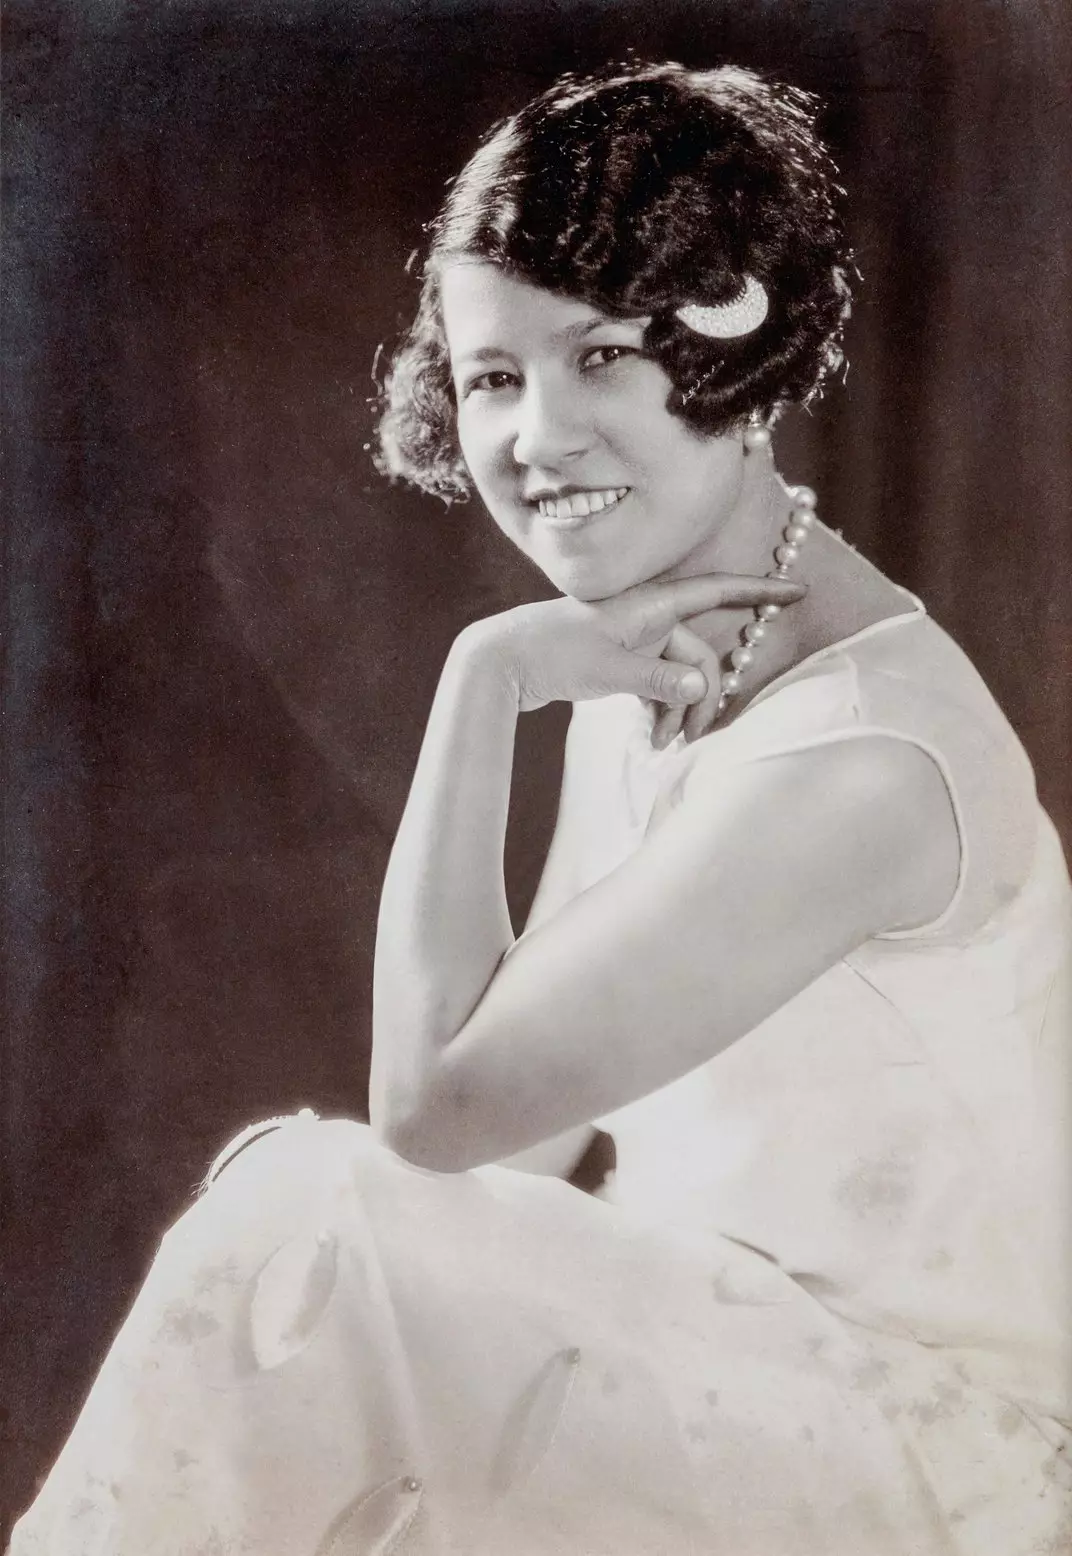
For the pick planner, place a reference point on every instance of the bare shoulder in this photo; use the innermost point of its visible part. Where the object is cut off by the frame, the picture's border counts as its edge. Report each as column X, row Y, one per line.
column 872, row 812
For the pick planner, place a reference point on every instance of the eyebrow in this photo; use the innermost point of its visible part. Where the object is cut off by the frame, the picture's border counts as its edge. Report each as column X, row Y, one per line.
column 484, row 354
column 571, row 332
column 586, row 326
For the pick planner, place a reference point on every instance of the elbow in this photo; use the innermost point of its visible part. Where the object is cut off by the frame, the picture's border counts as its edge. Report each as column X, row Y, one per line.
column 441, row 1122
column 425, row 1138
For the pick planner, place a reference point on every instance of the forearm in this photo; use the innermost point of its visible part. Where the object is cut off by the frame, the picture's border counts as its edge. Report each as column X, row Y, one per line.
column 553, row 1158
column 444, row 924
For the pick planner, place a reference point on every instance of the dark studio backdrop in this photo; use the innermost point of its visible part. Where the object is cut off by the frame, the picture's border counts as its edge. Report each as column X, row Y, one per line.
column 223, row 629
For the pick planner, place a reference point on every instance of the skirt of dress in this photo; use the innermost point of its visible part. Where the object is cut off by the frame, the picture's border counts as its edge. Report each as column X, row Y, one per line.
column 336, row 1353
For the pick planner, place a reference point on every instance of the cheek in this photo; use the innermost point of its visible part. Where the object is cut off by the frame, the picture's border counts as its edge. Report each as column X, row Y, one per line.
column 712, row 472
column 486, row 458
column 481, row 443
column 469, row 446
column 722, row 487
column 688, row 460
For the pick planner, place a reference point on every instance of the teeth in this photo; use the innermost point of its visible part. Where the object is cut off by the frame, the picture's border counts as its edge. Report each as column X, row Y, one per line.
column 581, row 504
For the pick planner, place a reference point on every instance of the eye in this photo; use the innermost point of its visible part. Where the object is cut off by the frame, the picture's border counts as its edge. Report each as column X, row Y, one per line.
column 605, row 356
column 489, row 383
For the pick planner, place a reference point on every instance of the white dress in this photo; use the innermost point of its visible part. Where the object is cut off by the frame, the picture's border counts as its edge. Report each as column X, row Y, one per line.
column 820, row 1310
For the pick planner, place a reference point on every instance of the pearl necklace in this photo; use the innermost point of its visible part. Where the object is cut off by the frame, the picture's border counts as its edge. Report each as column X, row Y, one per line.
column 786, row 552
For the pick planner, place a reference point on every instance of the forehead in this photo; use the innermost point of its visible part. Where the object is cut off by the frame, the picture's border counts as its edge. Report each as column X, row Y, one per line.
column 484, row 308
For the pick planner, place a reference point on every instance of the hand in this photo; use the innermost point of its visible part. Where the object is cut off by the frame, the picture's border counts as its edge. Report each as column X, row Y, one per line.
column 635, row 642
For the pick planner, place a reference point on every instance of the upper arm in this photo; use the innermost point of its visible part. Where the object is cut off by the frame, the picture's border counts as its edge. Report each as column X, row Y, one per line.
column 747, row 892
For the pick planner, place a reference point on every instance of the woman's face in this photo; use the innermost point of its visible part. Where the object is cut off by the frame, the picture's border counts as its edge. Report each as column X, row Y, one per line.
column 563, row 426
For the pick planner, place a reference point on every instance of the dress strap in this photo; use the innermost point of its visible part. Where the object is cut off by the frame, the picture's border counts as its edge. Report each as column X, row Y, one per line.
column 247, row 1136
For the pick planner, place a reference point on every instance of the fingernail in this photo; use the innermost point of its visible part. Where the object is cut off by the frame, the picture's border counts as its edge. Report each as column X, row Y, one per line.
column 692, row 686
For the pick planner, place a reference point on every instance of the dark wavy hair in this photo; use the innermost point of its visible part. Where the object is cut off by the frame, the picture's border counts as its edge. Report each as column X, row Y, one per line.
column 638, row 189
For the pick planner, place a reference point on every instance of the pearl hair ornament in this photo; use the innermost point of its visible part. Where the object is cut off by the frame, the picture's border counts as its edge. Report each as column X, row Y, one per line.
column 757, row 438
column 726, row 321
column 743, row 314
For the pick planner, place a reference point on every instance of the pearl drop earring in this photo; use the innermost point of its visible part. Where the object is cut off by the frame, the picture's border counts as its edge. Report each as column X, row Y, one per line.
column 756, row 435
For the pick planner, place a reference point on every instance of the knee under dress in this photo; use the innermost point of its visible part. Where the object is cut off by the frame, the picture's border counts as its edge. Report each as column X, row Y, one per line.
column 820, row 1309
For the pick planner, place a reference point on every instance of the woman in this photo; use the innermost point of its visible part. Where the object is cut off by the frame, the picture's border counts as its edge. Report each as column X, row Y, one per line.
column 801, row 946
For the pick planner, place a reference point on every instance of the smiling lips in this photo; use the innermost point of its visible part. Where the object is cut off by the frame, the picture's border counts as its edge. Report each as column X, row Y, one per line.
column 580, row 505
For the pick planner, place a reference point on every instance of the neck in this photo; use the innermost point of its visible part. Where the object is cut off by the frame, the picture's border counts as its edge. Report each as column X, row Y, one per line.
column 744, row 544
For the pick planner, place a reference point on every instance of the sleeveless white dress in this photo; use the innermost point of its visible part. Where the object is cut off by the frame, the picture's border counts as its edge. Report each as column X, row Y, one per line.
column 821, row 1308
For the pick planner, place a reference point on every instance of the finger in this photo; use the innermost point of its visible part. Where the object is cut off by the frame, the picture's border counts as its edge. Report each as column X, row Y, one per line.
column 667, row 725
column 687, row 647
column 657, row 711
column 660, row 680
column 666, row 604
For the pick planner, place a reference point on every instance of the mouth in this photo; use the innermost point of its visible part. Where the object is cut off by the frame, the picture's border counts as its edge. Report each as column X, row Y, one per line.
column 573, row 508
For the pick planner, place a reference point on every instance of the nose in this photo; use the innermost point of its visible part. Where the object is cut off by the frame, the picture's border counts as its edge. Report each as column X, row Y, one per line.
column 550, row 426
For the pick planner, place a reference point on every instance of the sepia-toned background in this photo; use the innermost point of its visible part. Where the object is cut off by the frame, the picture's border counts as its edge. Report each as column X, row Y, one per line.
column 223, row 629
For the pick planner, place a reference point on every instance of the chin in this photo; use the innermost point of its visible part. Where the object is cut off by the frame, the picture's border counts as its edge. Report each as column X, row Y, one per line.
column 588, row 584
column 595, row 575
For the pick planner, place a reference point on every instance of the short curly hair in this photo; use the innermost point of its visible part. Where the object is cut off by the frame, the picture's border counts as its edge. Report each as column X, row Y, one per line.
column 637, row 189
